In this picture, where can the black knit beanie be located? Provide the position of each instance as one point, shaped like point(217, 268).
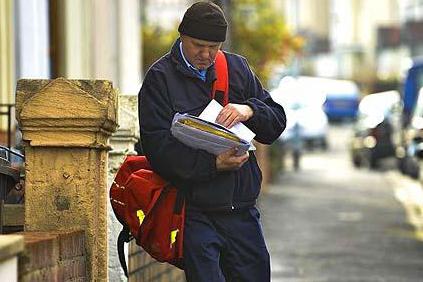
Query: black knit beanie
point(205, 21)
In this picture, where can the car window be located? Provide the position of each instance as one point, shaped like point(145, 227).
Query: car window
point(419, 107)
point(420, 79)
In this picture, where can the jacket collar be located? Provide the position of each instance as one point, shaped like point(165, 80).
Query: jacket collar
point(180, 65)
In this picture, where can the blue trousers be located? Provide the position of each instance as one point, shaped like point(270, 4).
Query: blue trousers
point(222, 247)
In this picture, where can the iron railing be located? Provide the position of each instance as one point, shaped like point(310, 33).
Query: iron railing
point(10, 173)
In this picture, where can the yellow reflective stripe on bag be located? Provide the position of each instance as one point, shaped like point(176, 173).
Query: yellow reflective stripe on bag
point(173, 234)
point(140, 215)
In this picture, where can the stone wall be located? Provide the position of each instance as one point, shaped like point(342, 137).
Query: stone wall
point(144, 268)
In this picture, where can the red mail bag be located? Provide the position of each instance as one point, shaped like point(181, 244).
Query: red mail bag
point(151, 211)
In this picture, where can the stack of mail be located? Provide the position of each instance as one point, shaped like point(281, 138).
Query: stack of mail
point(202, 134)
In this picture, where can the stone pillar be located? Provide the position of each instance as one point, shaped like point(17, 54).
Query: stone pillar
point(65, 126)
point(122, 143)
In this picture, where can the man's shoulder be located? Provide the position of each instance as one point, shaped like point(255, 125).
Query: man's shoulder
point(161, 63)
point(236, 60)
point(233, 56)
point(238, 66)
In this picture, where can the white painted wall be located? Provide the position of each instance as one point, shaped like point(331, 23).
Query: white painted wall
point(77, 36)
point(32, 37)
point(129, 46)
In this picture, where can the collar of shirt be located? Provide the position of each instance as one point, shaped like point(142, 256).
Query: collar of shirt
point(200, 73)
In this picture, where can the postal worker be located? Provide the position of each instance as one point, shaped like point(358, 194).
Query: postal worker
point(223, 238)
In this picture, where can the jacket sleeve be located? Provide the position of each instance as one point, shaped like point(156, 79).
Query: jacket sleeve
point(269, 119)
point(170, 158)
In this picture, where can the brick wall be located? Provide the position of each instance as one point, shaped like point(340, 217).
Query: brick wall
point(142, 267)
point(53, 256)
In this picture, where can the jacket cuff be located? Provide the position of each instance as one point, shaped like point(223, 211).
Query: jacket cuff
point(255, 109)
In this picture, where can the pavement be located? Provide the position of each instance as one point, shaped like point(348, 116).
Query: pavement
point(333, 222)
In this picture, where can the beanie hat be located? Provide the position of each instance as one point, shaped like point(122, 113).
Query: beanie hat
point(205, 21)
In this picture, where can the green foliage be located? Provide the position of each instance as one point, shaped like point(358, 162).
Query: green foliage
point(156, 42)
point(260, 34)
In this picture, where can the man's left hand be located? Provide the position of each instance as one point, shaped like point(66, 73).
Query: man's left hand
point(231, 114)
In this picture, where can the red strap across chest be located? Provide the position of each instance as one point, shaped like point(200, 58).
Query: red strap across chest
point(222, 81)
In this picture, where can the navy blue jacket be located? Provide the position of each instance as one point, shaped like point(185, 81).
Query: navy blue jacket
point(170, 87)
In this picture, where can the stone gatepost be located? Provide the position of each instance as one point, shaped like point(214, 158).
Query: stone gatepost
point(65, 127)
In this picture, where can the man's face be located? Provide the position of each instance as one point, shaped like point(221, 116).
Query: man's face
point(200, 53)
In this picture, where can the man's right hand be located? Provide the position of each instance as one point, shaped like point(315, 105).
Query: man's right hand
point(230, 161)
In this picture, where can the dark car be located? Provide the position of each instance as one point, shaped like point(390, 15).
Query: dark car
point(377, 118)
point(413, 140)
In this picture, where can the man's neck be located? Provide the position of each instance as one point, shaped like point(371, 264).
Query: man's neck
point(188, 63)
point(200, 73)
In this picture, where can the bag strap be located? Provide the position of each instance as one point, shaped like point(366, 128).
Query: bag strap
point(124, 237)
point(221, 83)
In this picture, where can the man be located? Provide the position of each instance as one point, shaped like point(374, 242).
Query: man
point(223, 238)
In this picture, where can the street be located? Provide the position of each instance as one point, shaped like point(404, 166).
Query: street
point(333, 222)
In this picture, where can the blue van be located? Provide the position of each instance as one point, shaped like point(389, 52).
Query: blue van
point(413, 83)
point(342, 99)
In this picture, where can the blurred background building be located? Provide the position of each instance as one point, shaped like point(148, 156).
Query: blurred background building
point(370, 42)
point(165, 13)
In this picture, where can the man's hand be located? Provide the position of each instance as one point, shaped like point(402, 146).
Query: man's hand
point(230, 161)
point(231, 114)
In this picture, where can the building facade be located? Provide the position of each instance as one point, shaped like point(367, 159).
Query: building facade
point(367, 41)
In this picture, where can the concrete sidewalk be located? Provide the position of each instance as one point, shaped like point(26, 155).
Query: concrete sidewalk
point(331, 222)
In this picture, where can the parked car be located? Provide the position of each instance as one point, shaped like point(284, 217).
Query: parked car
point(413, 140)
point(412, 83)
point(377, 118)
point(303, 104)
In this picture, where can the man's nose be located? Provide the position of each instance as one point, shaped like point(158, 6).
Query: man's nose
point(204, 53)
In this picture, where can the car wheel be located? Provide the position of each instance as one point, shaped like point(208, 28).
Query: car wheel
point(373, 162)
point(415, 173)
point(324, 144)
point(401, 165)
point(413, 169)
point(357, 161)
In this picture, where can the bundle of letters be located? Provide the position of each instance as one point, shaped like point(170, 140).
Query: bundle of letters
point(202, 134)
